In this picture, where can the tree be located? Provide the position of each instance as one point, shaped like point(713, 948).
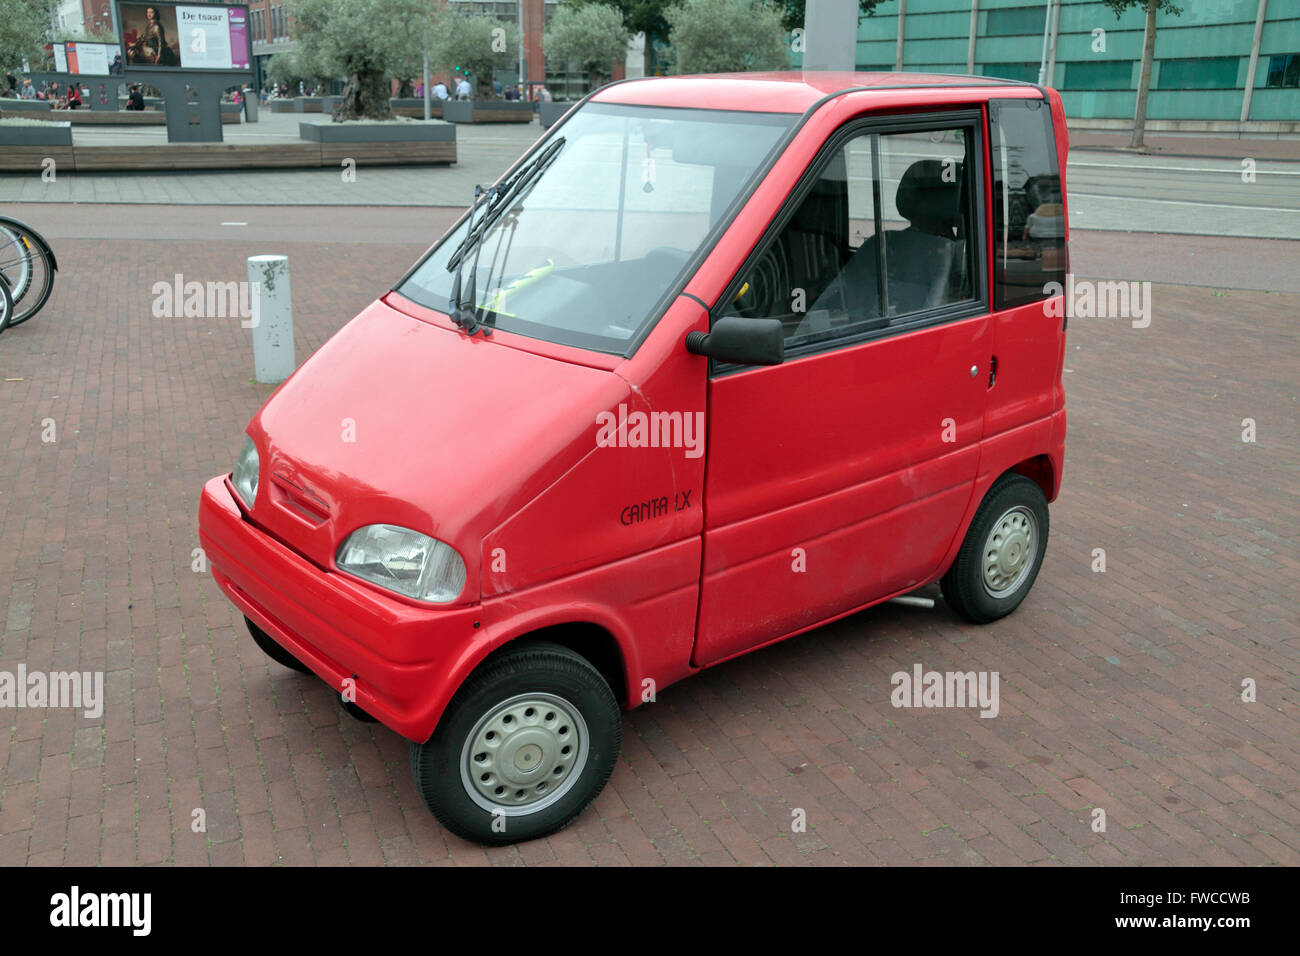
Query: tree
point(721, 36)
point(475, 45)
point(594, 35)
point(1148, 57)
point(24, 31)
point(364, 41)
point(640, 16)
point(793, 12)
point(92, 34)
point(282, 69)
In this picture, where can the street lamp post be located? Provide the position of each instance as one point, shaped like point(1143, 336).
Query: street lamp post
point(1047, 26)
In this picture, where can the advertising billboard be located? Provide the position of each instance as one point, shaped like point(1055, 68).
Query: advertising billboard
point(184, 36)
point(90, 59)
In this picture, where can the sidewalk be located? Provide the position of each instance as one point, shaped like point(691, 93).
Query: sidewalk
point(1207, 147)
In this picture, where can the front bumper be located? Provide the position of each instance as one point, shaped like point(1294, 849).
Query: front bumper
point(403, 659)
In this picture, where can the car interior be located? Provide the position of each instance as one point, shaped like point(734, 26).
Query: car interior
point(926, 262)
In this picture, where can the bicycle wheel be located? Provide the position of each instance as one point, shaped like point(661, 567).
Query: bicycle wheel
point(28, 265)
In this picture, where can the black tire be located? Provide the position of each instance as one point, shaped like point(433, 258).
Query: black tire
point(274, 650)
point(520, 689)
point(6, 304)
point(1012, 505)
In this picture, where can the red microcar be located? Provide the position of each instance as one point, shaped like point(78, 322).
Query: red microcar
point(719, 360)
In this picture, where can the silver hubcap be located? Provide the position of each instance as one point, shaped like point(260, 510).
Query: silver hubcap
point(524, 754)
point(1009, 551)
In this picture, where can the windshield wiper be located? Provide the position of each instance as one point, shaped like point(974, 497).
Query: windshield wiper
point(494, 200)
point(464, 311)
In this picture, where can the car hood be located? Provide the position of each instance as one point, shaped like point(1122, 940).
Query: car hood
point(400, 421)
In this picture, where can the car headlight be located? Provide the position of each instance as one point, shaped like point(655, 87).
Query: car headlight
point(245, 476)
point(404, 561)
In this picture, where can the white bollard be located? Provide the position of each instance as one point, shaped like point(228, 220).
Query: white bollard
point(271, 319)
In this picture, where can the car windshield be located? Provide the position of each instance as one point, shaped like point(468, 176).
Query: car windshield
point(589, 251)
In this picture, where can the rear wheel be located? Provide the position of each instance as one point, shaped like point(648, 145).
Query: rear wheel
point(526, 745)
point(1002, 552)
point(274, 650)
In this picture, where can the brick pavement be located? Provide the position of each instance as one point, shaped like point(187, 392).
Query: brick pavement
point(1119, 689)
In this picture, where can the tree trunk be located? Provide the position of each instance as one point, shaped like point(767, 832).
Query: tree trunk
point(1144, 79)
point(365, 95)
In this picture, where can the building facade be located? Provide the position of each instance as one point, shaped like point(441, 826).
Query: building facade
point(1223, 63)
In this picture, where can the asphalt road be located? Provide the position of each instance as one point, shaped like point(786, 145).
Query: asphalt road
point(1267, 265)
point(1194, 195)
point(1108, 190)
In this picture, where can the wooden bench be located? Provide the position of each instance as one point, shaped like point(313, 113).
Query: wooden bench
point(389, 154)
point(113, 117)
point(31, 159)
point(189, 156)
point(177, 156)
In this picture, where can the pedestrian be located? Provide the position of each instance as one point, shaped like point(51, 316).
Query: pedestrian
point(134, 98)
point(28, 91)
point(440, 90)
point(463, 89)
point(73, 100)
point(543, 94)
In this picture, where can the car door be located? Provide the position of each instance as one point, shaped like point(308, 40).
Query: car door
point(840, 476)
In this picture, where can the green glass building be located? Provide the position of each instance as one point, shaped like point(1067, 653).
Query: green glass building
point(1206, 59)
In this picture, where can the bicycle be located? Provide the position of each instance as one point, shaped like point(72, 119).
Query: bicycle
point(27, 267)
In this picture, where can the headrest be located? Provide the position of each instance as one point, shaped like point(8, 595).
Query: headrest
point(927, 199)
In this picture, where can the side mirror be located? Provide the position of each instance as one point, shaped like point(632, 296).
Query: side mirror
point(741, 341)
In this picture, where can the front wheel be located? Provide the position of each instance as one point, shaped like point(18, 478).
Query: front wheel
point(526, 745)
point(274, 650)
point(1002, 552)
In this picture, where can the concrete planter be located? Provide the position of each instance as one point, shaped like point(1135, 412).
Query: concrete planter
point(47, 134)
point(413, 106)
point(307, 104)
point(382, 144)
point(25, 106)
point(283, 106)
point(550, 113)
point(487, 111)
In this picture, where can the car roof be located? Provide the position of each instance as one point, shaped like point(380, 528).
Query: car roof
point(780, 92)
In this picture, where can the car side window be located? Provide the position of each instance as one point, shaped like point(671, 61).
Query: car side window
point(883, 234)
point(1028, 209)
